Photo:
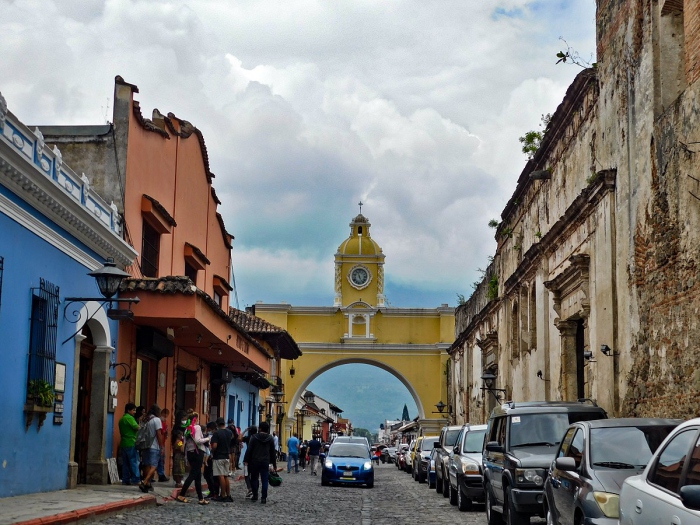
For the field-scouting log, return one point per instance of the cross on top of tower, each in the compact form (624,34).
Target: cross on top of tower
(360,205)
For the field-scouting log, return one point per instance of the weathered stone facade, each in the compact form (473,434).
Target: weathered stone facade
(597,247)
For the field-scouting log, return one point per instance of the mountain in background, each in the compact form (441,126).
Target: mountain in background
(367,394)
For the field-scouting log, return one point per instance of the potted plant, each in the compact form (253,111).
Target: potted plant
(40,393)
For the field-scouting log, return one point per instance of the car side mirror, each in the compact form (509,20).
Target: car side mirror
(565,463)
(690,496)
(494,446)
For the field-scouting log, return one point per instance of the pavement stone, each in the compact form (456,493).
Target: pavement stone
(396,499)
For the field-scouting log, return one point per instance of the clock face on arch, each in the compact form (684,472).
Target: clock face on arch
(359,277)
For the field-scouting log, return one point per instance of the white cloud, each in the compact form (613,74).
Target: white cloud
(413,106)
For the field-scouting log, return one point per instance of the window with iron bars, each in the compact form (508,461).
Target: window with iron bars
(150,251)
(43,333)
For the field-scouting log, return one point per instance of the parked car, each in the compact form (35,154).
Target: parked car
(448,438)
(421,461)
(408,455)
(593,460)
(389,455)
(401,455)
(349,463)
(464,475)
(668,491)
(521,440)
(431,469)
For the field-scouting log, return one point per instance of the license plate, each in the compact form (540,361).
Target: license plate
(347,474)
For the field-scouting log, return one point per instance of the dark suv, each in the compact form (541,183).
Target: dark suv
(521,441)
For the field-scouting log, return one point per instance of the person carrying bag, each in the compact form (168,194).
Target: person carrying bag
(194,451)
(260,457)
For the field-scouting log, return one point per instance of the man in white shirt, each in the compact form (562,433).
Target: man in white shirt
(151,455)
(277,443)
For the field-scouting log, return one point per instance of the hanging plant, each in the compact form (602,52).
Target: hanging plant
(41,392)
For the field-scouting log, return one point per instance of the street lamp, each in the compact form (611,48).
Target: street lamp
(108,278)
(489,379)
(292,371)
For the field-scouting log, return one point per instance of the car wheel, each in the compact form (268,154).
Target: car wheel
(462,502)
(492,517)
(324,481)
(445,485)
(431,484)
(510,515)
(438,482)
(453,495)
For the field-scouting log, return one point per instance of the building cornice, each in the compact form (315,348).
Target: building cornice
(38,176)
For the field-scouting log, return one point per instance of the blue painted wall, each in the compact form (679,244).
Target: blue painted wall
(240,390)
(34,461)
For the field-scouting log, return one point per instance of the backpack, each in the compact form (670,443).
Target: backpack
(145,436)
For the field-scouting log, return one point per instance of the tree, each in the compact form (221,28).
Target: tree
(363,432)
(404,416)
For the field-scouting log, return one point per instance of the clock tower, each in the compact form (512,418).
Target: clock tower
(359,268)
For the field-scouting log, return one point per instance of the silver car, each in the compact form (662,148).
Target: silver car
(668,491)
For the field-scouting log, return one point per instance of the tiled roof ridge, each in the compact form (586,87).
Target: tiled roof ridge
(253,323)
(224,282)
(198,252)
(183,284)
(145,123)
(186,130)
(225,234)
(161,209)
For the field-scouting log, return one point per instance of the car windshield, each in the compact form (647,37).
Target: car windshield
(428,444)
(530,430)
(451,437)
(625,447)
(474,442)
(348,450)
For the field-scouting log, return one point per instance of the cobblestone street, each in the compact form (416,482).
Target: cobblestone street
(395,499)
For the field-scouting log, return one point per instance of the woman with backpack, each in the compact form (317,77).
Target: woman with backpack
(195,444)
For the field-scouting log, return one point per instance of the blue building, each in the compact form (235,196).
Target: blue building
(55,355)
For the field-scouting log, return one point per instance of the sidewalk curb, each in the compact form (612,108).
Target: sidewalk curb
(90,512)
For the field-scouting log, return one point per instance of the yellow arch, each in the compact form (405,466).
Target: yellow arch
(357,360)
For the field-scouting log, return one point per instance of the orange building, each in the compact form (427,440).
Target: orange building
(181,349)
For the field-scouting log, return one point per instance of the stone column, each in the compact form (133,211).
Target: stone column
(97,472)
(567,377)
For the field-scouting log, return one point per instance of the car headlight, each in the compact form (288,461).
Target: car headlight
(470,468)
(530,475)
(328,464)
(609,503)
(368,465)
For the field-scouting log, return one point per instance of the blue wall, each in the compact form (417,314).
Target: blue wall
(240,390)
(34,461)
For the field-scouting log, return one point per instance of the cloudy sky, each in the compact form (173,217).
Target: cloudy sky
(307,107)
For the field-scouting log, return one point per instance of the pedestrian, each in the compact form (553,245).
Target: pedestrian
(292,453)
(164,415)
(303,447)
(221,451)
(128,427)
(194,451)
(178,457)
(276,440)
(234,446)
(250,431)
(208,463)
(260,454)
(151,455)
(314,451)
